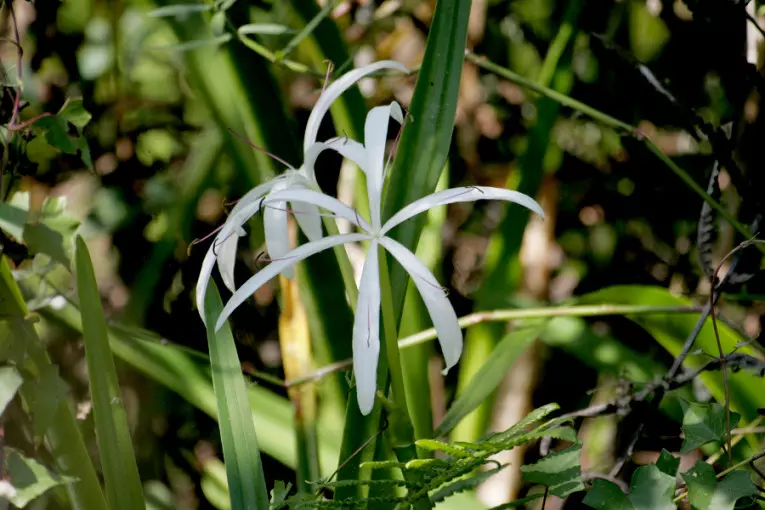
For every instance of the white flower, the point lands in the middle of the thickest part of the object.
(366, 328)
(224, 246)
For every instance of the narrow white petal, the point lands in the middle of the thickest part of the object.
(366, 332)
(309, 219)
(440, 309)
(349, 149)
(278, 266)
(331, 204)
(464, 194)
(375, 138)
(275, 227)
(335, 90)
(255, 194)
(226, 250)
(203, 281)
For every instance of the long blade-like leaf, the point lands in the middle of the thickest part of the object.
(115, 447)
(244, 470)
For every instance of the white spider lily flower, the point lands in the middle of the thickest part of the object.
(224, 246)
(366, 326)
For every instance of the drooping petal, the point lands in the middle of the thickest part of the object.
(205, 273)
(278, 266)
(226, 249)
(375, 138)
(308, 218)
(349, 149)
(324, 201)
(440, 309)
(255, 194)
(366, 332)
(275, 228)
(463, 194)
(334, 91)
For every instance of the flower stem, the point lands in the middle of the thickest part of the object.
(402, 431)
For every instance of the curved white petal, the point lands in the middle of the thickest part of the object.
(275, 228)
(204, 280)
(366, 332)
(255, 194)
(375, 137)
(324, 201)
(278, 266)
(226, 250)
(308, 218)
(440, 309)
(349, 149)
(464, 194)
(335, 90)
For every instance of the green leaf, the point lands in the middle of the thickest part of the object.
(668, 463)
(121, 479)
(519, 428)
(47, 393)
(10, 382)
(29, 478)
(518, 502)
(463, 484)
(279, 494)
(489, 376)
(74, 112)
(246, 481)
(651, 489)
(605, 495)
(56, 133)
(196, 44)
(701, 483)
(427, 133)
(736, 485)
(671, 331)
(264, 29)
(560, 471)
(40, 151)
(703, 424)
(178, 10)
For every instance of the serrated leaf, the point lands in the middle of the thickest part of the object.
(10, 382)
(668, 463)
(178, 10)
(29, 478)
(651, 489)
(264, 29)
(519, 428)
(701, 482)
(560, 471)
(735, 486)
(48, 393)
(279, 494)
(605, 495)
(434, 446)
(468, 483)
(196, 44)
(74, 112)
(488, 377)
(703, 424)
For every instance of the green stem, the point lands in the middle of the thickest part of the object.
(276, 59)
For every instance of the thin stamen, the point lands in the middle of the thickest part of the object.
(326, 76)
(264, 151)
(201, 240)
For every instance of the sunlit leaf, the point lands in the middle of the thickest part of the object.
(264, 29)
(651, 489)
(706, 493)
(703, 424)
(74, 112)
(560, 471)
(29, 478)
(10, 382)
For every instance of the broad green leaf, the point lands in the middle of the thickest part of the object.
(10, 382)
(246, 481)
(122, 482)
(702, 482)
(490, 375)
(668, 463)
(264, 29)
(651, 489)
(560, 471)
(671, 331)
(605, 495)
(179, 10)
(735, 486)
(56, 133)
(39, 151)
(46, 395)
(74, 112)
(704, 423)
(29, 478)
(427, 133)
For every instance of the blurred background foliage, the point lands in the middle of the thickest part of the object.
(174, 100)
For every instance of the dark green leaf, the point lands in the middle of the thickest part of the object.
(651, 489)
(122, 482)
(489, 376)
(47, 394)
(56, 132)
(701, 482)
(560, 471)
(735, 486)
(29, 478)
(10, 382)
(605, 495)
(704, 423)
(74, 112)
(668, 463)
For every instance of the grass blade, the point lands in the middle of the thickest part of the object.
(123, 485)
(244, 471)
